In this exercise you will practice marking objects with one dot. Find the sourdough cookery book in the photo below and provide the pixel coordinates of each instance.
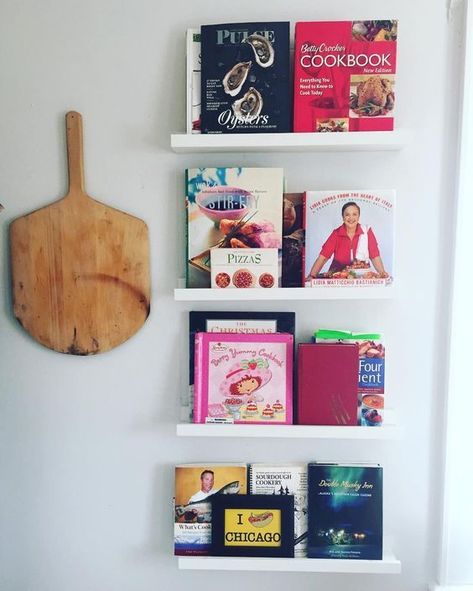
(245, 78)
(283, 480)
(243, 378)
(349, 238)
(231, 208)
(345, 511)
(195, 486)
(344, 76)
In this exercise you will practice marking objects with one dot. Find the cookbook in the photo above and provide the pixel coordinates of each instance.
(345, 76)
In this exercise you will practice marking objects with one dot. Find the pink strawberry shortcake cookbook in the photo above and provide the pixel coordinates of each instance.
(243, 378)
(344, 76)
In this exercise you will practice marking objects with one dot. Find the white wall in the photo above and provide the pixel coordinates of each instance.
(87, 445)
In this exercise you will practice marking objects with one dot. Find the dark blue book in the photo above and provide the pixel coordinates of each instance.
(345, 505)
(245, 81)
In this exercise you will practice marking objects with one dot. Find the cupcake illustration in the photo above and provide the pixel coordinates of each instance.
(278, 407)
(251, 408)
(267, 413)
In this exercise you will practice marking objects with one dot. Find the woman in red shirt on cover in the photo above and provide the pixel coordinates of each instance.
(348, 243)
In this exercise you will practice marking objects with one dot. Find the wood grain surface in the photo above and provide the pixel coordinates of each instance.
(80, 269)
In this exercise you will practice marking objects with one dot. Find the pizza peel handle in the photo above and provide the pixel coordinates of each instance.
(75, 153)
(80, 269)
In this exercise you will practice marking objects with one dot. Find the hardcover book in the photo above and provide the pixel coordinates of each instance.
(244, 268)
(243, 378)
(195, 487)
(232, 323)
(345, 512)
(231, 208)
(349, 238)
(344, 76)
(293, 240)
(245, 78)
(193, 81)
(284, 479)
(371, 352)
(327, 392)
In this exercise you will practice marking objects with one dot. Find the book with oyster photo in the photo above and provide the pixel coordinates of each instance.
(238, 208)
(349, 238)
(344, 76)
(245, 83)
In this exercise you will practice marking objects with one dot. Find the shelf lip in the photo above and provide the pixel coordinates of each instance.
(287, 142)
(388, 431)
(389, 564)
(286, 293)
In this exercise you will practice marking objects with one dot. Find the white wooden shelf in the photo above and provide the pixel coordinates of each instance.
(285, 293)
(291, 142)
(389, 564)
(387, 431)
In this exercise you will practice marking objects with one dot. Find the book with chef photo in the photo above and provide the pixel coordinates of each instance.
(246, 84)
(195, 485)
(237, 208)
(349, 238)
(345, 76)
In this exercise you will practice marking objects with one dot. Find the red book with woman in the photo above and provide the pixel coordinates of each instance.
(348, 237)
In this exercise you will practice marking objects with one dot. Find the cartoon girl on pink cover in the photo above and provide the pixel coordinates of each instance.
(242, 385)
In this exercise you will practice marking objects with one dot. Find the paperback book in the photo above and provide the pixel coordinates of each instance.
(349, 238)
(243, 378)
(327, 392)
(231, 208)
(195, 487)
(245, 78)
(345, 76)
(345, 511)
(193, 66)
(284, 479)
(371, 371)
(232, 323)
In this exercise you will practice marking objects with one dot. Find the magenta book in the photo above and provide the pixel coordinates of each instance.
(328, 384)
(345, 76)
(243, 378)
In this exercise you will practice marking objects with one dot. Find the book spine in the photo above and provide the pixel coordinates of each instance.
(198, 379)
(304, 225)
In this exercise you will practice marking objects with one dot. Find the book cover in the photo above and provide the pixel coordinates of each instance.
(245, 78)
(344, 76)
(371, 371)
(293, 240)
(327, 391)
(232, 323)
(195, 486)
(244, 268)
(193, 65)
(345, 512)
(244, 378)
(284, 479)
(349, 238)
(231, 208)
